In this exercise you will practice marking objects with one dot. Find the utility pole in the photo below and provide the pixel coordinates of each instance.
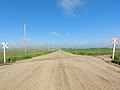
(25, 38)
(48, 47)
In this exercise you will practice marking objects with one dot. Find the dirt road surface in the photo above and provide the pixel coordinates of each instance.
(60, 71)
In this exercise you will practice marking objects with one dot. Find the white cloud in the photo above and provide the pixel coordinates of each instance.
(54, 34)
(69, 6)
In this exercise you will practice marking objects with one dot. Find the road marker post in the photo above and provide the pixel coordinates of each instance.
(4, 47)
(114, 42)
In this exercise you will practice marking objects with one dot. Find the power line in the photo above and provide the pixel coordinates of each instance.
(11, 16)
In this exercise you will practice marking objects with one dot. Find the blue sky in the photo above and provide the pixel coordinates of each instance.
(65, 23)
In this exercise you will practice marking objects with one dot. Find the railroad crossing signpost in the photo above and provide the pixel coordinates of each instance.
(4, 47)
(114, 42)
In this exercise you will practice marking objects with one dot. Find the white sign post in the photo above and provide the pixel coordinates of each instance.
(114, 42)
(4, 47)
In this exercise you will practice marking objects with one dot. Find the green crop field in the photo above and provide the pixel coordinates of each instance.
(14, 55)
(96, 51)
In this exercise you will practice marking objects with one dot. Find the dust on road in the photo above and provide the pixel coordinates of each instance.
(60, 71)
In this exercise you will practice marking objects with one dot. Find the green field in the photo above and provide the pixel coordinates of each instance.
(96, 51)
(15, 55)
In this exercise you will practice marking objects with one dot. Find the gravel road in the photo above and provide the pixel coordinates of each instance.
(60, 71)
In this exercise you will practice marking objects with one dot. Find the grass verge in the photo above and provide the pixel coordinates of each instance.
(117, 59)
(91, 51)
(18, 55)
(96, 51)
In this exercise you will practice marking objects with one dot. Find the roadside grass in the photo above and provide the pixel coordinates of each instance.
(14, 55)
(96, 51)
(92, 51)
(117, 59)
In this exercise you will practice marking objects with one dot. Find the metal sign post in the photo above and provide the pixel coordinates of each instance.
(114, 42)
(4, 47)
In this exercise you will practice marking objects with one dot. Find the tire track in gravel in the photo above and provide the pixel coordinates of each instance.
(27, 76)
(100, 74)
(61, 77)
(81, 79)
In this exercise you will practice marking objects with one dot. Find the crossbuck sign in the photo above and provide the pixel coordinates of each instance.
(114, 42)
(4, 47)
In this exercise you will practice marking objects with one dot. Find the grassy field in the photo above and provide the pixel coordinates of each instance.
(15, 55)
(96, 51)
